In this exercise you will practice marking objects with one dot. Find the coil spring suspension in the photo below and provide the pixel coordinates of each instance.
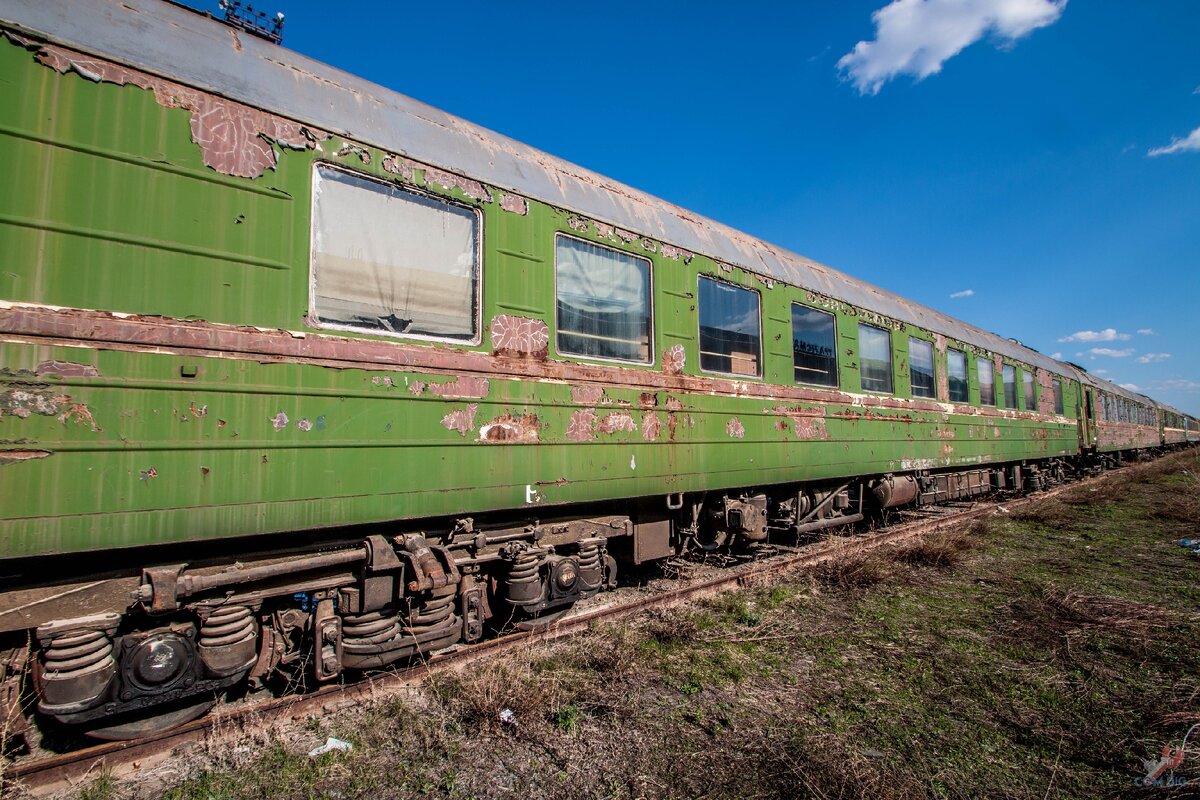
(374, 628)
(70, 656)
(433, 615)
(226, 626)
(591, 563)
(523, 583)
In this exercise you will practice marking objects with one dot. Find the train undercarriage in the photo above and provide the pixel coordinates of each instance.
(189, 635)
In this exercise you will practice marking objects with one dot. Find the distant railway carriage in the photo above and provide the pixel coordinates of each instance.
(414, 378)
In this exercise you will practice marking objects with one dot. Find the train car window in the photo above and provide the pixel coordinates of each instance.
(603, 301)
(1058, 397)
(920, 364)
(1030, 391)
(730, 328)
(956, 372)
(987, 382)
(814, 346)
(875, 358)
(1009, 374)
(392, 261)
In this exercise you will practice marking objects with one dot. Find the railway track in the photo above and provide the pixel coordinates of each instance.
(54, 773)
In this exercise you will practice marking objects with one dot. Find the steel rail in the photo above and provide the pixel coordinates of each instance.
(62, 771)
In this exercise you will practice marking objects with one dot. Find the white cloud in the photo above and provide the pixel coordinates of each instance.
(963, 293)
(1108, 351)
(916, 37)
(1153, 358)
(1056, 356)
(1106, 335)
(1145, 331)
(1133, 387)
(1191, 142)
(1099, 372)
(1179, 385)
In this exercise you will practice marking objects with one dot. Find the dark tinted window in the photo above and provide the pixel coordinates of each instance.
(956, 372)
(875, 358)
(729, 328)
(1030, 395)
(920, 364)
(814, 347)
(1058, 397)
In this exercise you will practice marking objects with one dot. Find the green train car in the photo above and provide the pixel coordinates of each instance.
(299, 376)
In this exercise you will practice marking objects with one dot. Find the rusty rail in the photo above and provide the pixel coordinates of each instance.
(59, 772)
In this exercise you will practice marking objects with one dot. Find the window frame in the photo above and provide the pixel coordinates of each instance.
(758, 376)
(1060, 402)
(653, 356)
(837, 362)
(966, 376)
(1005, 371)
(313, 318)
(979, 362)
(933, 372)
(891, 390)
(1029, 389)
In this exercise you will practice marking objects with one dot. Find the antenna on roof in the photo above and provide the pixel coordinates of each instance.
(252, 21)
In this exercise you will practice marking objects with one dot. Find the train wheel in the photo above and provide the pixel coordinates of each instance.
(138, 727)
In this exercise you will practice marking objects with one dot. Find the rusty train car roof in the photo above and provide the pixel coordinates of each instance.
(190, 47)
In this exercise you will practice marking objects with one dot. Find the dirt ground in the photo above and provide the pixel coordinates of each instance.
(1044, 653)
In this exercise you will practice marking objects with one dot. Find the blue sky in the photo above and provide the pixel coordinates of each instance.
(933, 147)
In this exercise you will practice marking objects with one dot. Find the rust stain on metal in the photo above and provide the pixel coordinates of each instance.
(674, 404)
(674, 358)
(399, 165)
(947, 449)
(351, 149)
(463, 387)
(416, 387)
(234, 139)
(945, 433)
(304, 424)
(578, 224)
(514, 204)
(462, 420)
(148, 474)
(735, 429)
(582, 427)
(520, 336)
(508, 428)
(14, 456)
(617, 421)
(587, 394)
(198, 411)
(809, 428)
(67, 369)
(279, 421)
(624, 235)
(995, 432)
(650, 426)
(648, 400)
(605, 230)
(676, 253)
(448, 180)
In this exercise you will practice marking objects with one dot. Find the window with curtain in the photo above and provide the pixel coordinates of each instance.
(987, 382)
(388, 260)
(814, 348)
(1010, 386)
(730, 329)
(920, 364)
(875, 358)
(603, 301)
(1030, 392)
(956, 373)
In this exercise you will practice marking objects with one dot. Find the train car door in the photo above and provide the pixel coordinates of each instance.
(1088, 432)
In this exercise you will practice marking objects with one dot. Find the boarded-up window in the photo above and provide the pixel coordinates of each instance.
(1030, 395)
(956, 372)
(875, 358)
(730, 338)
(920, 364)
(987, 382)
(1010, 386)
(814, 353)
(389, 260)
(603, 301)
